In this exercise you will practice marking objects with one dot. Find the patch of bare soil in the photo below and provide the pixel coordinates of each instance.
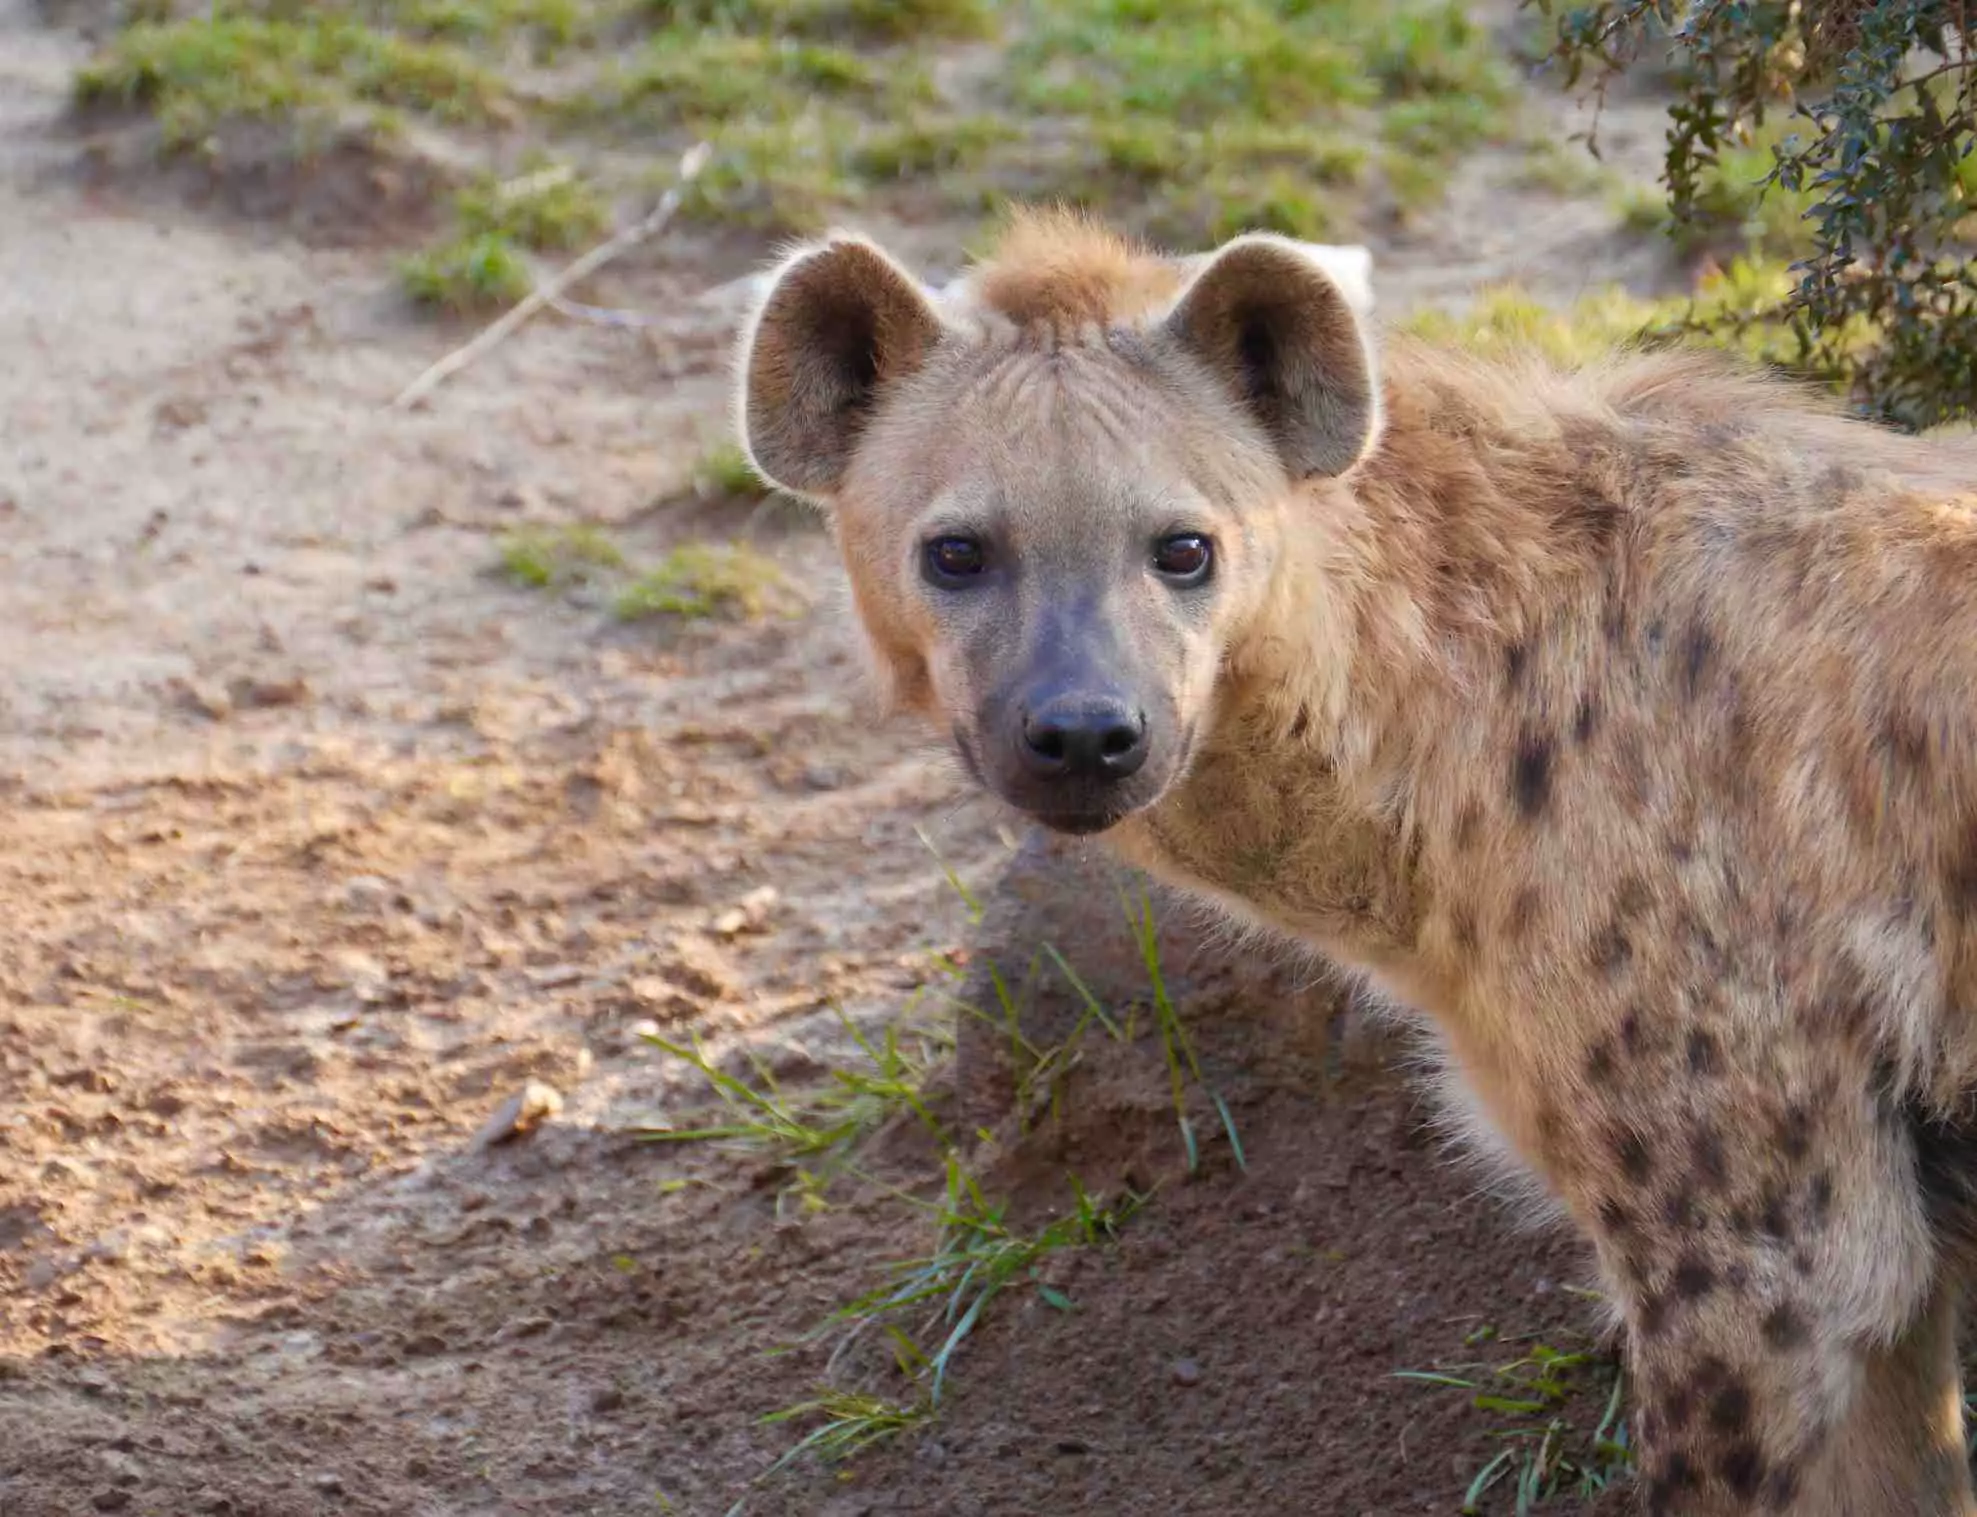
(318, 843)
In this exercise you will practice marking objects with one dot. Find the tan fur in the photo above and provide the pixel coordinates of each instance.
(1059, 269)
(1623, 722)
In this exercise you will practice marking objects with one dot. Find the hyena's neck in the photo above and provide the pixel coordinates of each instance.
(1312, 802)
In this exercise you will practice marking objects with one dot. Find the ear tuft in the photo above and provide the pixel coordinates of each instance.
(839, 322)
(1280, 327)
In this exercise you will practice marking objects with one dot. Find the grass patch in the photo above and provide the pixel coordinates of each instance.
(1738, 304)
(551, 208)
(706, 579)
(546, 558)
(1242, 113)
(475, 271)
(725, 470)
(694, 580)
(196, 75)
(1189, 121)
(815, 1132)
(1541, 1396)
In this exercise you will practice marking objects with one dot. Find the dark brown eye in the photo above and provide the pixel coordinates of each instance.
(1185, 557)
(954, 558)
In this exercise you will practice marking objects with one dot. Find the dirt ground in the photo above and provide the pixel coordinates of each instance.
(320, 841)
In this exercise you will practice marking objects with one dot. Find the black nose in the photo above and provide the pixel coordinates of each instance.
(1078, 737)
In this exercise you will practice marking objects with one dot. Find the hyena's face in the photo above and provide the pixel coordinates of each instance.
(1054, 539)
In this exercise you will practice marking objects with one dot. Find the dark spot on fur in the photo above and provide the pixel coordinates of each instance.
(1654, 1315)
(1693, 1279)
(1657, 634)
(1729, 1408)
(1742, 1469)
(1822, 1197)
(1678, 1408)
(1467, 822)
(1585, 720)
(1905, 742)
(1795, 1133)
(1802, 1264)
(1636, 1163)
(1599, 1062)
(1737, 1278)
(1670, 1481)
(1516, 659)
(1704, 1059)
(1681, 1210)
(1774, 1219)
(1462, 927)
(1698, 649)
(1302, 723)
(1630, 1032)
(1785, 1328)
(1611, 950)
(1706, 1149)
(1523, 911)
(1614, 1217)
(1782, 1489)
(1530, 776)
(1962, 879)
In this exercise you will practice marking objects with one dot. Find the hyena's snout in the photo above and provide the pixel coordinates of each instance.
(1078, 748)
(1085, 738)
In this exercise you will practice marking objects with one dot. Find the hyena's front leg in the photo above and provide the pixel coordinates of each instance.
(1825, 1425)
(1790, 1334)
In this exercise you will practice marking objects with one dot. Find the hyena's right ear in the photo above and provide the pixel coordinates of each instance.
(840, 322)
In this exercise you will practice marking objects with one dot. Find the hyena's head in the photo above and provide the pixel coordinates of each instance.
(1063, 486)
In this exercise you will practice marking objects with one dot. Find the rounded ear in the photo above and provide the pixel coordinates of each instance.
(1280, 332)
(840, 320)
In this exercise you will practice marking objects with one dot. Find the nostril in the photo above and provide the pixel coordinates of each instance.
(1047, 742)
(1120, 741)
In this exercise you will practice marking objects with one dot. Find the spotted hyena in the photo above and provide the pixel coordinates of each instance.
(1623, 721)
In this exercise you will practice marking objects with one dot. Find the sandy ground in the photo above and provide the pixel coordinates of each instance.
(320, 841)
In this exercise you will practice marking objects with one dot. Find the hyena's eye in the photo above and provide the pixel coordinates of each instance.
(1184, 558)
(953, 559)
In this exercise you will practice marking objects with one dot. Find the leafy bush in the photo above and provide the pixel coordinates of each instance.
(1883, 98)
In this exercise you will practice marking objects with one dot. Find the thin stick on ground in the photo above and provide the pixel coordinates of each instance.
(691, 163)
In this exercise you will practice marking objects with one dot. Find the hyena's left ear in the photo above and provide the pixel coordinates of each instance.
(840, 321)
(1280, 325)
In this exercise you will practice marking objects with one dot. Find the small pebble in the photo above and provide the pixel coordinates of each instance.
(532, 1105)
(1186, 1372)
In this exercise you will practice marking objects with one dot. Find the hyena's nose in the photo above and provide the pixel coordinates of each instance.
(1081, 738)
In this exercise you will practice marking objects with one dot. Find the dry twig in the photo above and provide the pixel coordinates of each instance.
(549, 294)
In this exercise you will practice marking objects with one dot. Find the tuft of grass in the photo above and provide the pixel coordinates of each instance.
(473, 272)
(817, 1132)
(712, 79)
(1547, 1455)
(552, 209)
(725, 470)
(870, 21)
(552, 557)
(852, 1422)
(197, 74)
(977, 1256)
(707, 579)
(1736, 308)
